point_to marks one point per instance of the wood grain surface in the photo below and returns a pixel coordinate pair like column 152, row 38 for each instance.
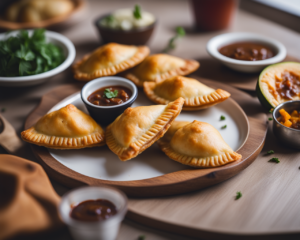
column 169, row 184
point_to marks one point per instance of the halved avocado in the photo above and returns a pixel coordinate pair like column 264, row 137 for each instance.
column 267, row 79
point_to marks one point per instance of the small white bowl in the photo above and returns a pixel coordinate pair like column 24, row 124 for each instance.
column 100, row 230
column 219, row 41
column 53, row 37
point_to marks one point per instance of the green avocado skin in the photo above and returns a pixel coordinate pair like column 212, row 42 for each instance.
column 261, row 97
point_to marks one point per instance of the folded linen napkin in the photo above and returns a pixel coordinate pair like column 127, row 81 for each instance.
column 28, row 203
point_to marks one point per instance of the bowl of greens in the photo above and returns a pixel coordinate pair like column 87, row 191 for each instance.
column 29, row 57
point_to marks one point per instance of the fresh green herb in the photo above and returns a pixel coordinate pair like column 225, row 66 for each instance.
column 24, row 55
column 276, row 160
column 142, row 237
column 270, row 152
column 238, row 195
column 222, row 118
column 180, row 32
column 270, row 119
column 223, row 127
column 3, row 110
column 137, row 13
column 271, row 110
column 109, row 19
column 110, row 94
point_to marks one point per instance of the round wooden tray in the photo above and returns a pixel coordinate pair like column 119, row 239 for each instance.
column 168, row 184
column 78, row 7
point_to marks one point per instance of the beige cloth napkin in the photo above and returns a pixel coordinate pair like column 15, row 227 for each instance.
column 28, row 203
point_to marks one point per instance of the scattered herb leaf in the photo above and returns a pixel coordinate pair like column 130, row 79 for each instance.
column 180, row 32
column 3, row 110
column 137, row 13
column 238, row 195
column 110, row 94
column 142, row 237
column 222, row 118
column 276, row 160
column 270, row 152
column 24, row 55
column 271, row 110
column 223, row 127
column 270, row 119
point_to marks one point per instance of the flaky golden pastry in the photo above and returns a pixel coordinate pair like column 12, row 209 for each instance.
column 196, row 95
column 66, row 128
column 37, row 10
column 159, row 67
column 108, row 60
column 197, row 144
column 138, row 128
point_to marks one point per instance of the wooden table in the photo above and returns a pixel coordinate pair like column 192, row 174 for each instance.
column 19, row 102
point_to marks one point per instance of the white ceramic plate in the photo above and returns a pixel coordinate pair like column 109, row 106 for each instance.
column 103, row 164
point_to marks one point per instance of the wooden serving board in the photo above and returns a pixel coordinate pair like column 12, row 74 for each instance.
column 169, row 184
column 212, row 69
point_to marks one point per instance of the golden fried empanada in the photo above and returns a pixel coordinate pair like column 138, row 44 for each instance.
column 138, row 128
column 66, row 128
column 197, row 144
column 159, row 67
column 108, row 60
column 196, row 95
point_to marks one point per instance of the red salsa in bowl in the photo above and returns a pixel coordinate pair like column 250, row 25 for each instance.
column 110, row 96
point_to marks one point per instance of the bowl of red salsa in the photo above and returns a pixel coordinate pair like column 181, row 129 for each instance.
column 107, row 97
column 246, row 52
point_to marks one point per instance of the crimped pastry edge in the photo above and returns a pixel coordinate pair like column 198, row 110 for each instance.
column 139, row 56
column 156, row 131
column 215, row 161
column 190, row 66
column 92, row 140
column 190, row 104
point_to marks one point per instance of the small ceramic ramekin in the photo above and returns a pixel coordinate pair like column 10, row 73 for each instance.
column 101, row 230
column 219, row 41
column 288, row 136
column 107, row 114
column 138, row 36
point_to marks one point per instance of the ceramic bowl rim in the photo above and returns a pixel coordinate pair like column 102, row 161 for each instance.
column 214, row 43
column 276, row 110
column 71, row 52
column 102, row 79
column 69, row 221
column 138, row 30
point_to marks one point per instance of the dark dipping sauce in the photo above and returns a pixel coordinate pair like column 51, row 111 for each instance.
column 247, row 51
column 287, row 85
column 100, row 98
column 93, row 210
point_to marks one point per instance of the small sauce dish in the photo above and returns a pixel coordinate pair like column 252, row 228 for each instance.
column 286, row 135
column 216, row 43
column 107, row 114
column 96, row 230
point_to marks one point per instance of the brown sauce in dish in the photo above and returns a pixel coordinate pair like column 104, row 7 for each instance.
column 247, row 51
column 109, row 96
column 93, row 210
column 288, row 85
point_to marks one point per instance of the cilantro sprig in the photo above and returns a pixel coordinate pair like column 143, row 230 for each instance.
column 222, row 118
column 110, row 94
column 24, row 55
column 180, row 32
column 275, row 160
column 137, row 13
column 238, row 195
